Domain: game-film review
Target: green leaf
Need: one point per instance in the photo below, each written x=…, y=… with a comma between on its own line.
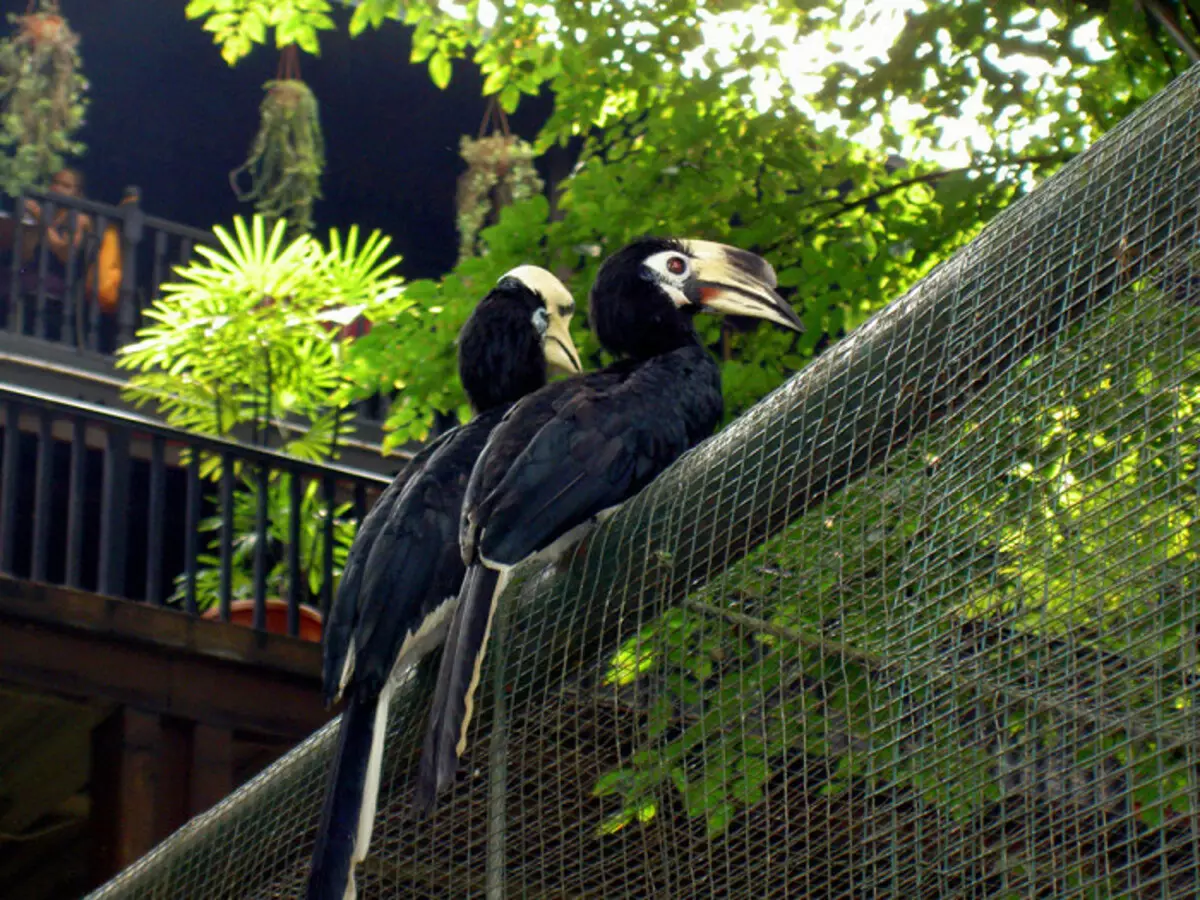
x=439, y=69
x=197, y=8
x=510, y=97
x=613, y=782
x=495, y=80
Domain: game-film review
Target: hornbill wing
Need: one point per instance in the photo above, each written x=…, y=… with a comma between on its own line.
x=605, y=442
x=343, y=616
x=514, y=433
x=602, y=445
x=414, y=565
x=408, y=583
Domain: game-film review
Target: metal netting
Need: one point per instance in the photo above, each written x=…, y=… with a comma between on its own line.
x=924, y=623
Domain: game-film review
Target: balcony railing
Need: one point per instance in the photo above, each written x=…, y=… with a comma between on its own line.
x=127, y=507
x=43, y=298
x=60, y=301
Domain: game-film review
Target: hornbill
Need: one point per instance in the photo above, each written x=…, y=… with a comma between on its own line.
x=570, y=453
x=404, y=569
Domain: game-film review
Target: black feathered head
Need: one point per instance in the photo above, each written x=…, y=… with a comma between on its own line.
x=516, y=335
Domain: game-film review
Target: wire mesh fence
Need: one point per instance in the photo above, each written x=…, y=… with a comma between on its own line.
x=924, y=623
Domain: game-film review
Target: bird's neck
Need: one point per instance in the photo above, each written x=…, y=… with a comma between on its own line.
x=645, y=341
x=500, y=359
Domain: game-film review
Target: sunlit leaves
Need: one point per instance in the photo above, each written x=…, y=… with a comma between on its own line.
x=245, y=335
x=1038, y=79
x=238, y=25
x=1005, y=611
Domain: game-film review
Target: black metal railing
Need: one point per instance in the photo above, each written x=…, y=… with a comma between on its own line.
x=67, y=303
x=122, y=505
x=64, y=301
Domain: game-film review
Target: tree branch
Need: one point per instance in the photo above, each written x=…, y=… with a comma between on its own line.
x=1167, y=21
x=931, y=178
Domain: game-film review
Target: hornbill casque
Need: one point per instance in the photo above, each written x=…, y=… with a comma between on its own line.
x=572, y=452
x=403, y=572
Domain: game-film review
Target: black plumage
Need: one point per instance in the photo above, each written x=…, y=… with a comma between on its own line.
x=403, y=572
x=574, y=450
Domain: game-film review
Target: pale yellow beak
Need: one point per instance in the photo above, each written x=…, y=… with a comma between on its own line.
x=559, y=349
x=738, y=282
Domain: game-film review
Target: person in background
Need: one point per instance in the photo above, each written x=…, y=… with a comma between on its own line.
x=56, y=236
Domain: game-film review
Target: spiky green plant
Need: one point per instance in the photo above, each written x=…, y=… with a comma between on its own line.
x=246, y=337
x=246, y=342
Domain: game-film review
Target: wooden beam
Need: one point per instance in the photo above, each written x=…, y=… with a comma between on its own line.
x=211, y=767
x=174, y=768
x=126, y=761
x=89, y=647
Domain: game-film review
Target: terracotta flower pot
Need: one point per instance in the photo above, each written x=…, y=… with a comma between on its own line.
x=241, y=612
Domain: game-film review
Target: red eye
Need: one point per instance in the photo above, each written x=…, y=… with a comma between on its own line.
x=676, y=265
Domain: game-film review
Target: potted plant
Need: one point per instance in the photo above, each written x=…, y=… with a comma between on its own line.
x=500, y=172
x=287, y=157
x=249, y=342
x=313, y=515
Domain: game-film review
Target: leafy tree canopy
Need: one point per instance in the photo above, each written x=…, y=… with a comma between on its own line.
x=702, y=118
x=838, y=173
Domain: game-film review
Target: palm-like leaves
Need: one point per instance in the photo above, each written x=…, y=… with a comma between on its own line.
x=243, y=335
x=246, y=335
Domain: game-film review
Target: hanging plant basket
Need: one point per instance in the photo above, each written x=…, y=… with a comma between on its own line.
x=288, y=155
x=42, y=97
x=500, y=172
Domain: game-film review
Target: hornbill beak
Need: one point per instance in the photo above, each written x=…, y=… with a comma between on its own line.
x=559, y=349
x=737, y=282
x=557, y=346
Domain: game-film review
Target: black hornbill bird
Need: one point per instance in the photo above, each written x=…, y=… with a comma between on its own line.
x=404, y=569
x=570, y=453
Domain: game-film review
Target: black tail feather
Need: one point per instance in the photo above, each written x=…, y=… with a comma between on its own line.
x=453, y=698
x=338, y=829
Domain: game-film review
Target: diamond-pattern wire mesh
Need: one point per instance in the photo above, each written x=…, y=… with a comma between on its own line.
x=924, y=623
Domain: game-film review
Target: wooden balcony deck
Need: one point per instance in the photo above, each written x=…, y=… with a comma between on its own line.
x=121, y=720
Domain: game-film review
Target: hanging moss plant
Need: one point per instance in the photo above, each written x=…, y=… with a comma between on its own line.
x=42, y=97
x=288, y=154
x=499, y=172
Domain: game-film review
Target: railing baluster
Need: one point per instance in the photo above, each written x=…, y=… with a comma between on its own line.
x=160, y=256
x=70, y=294
x=360, y=501
x=226, y=596
x=154, y=520
x=133, y=225
x=43, y=269
x=260, y=550
x=191, y=534
x=75, y=503
x=296, y=503
x=327, y=570
x=8, y=492
x=41, y=497
x=114, y=513
x=16, y=303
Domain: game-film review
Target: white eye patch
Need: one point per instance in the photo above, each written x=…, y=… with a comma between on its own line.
x=671, y=269
x=541, y=321
x=671, y=266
